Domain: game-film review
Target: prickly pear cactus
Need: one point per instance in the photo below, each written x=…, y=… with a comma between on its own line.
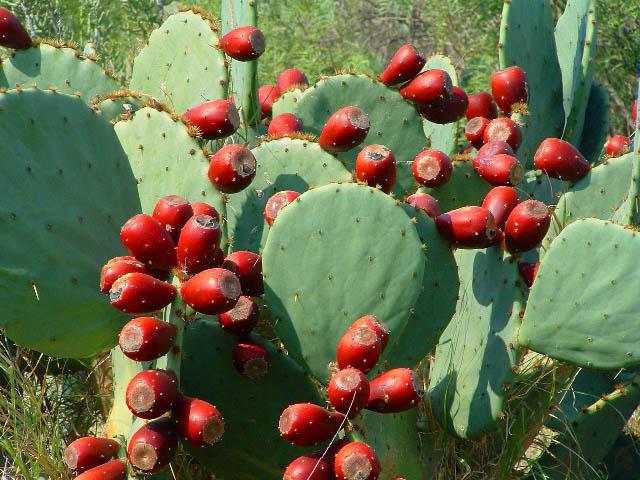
x=465, y=187
x=442, y=137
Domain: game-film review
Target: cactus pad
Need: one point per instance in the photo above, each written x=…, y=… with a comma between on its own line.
x=442, y=137
x=596, y=123
x=287, y=102
x=465, y=187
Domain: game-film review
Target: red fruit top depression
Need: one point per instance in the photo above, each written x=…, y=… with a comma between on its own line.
x=348, y=391
x=504, y=129
x=306, y=424
x=12, y=33
x=481, y=105
x=376, y=165
x=88, y=452
x=430, y=87
x=242, y=318
x=284, y=124
x=243, y=43
x=372, y=322
x=277, y=202
x=248, y=268
x=432, y=168
x=394, y=391
x=424, y=202
x=405, y=64
x=212, y=291
x=199, y=423
x=201, y=208
x=561, y=160
x=356, y=461
x=526, y=226
x=198, y=244
x=467, y=227
x=111, y=470
x=146, y=338
x=151, y=393
x=474, y=131
x=232, y=168
x=267, y=95
x=152, y=447
x=250, y=359
x=345, y=129
x=173, y=211
x=290, y=78
x=509, y=87
x=359, y=348
x=147, y=240
x=215, y=119
x=616, y=146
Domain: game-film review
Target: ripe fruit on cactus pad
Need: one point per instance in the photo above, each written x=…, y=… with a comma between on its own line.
x=137, y=293
x=232, y=168
x=432, y=168
x=242, y=318
x=561, y=160
x=468, y=227
x=394, y=391
x=312, y=466
x=356, y=461
x=424, y=202
x=88, y=452
x=248, y=268
x=243, y=43
x=449, y=111
x=345, y=129
x=526, y=226
x=494, y=147
x=501, y=169
x=146, y=338
x=481, y=105
x=528, y=272
x=359, y=348
x=12, y=33
x=500, y=201
x=290, y=78
x=199, y=423
x=198, y=244
x=277, y=202
x=376, y=166
x=147, y=240
x=405, y=64
x=250, y=359
x=306, y=424
x=152, y=447
x=474, y=131
x=509, y=87
x=431, y=87
x=504, y=129
x=284, y=124
x=617, y=146
x=373, y=323
x=173, y=211
x=201, y=208
x=116, y=268
x=212, y=291
x=111, y=470
x=348, y=391
x=151, y=393
x=267, y=95
x=215, y=119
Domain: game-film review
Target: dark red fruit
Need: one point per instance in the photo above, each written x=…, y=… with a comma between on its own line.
x=394, y=391
x=212, y=291
x=348, y=391
x=151, y=393
x=432, y=168
x=376, y=166
x=424, y=202
x=617, y=146
x=248, y=268
x=500, y=201
x=137, y=293
x=372, y=322
x=88, y=452
x=449, y=111
x=474, y=131
x=312, y=466
x=198, y=244
x=242, y=318
x=356, y=461
x=526, y=226
x=146, y=338
x=306, y=424
x=232, y=168
x=173, y=212
x=505, y=130
x=528, y=272
x=277, y=202
x=359, y=348
x=561, y=160
x=481, y=105
x=467, y=227
x=199, y=423
x=111, y=470
x=215, y=119
x=243, y=43
x=147, y=240
x=487, y=151
x=116, y=268
x=405, y=64
x=12, y=33
x=291, y=78
x=153, y=446
x=201, y=208
x=501, y=169
x=250, y=359
x=284, y=124
x=509, y=87
x=267, y=96
x=346, y=128
x=432, y=87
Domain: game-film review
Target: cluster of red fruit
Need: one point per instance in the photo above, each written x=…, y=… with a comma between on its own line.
x=349, y=392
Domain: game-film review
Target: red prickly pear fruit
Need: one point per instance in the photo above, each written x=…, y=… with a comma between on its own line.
x=509, y=87
x=305, y=424
x=394, y=391
x=211, y=291
x=467, y=227
x=356, y=461
x=481, y=105
x=244, y=43
x=312, y=466
x=494, y=147
x=172, y=212
x=376, y=166
x=198, y=244
x=201, y=208
x=137, y=293
x=504, y=129
x=561, y=160
x=526, y=226
x=345, y=129
x=277, y=202
x=405, y=64
x=250, y=359
x=424, y=202
x=501, y=169
x=474, y=131
x=500, y=201
x=146, y=338
x=432, y=168
x=111, y=470
x=151, y=393
x=372, y=322
x=215, y=119
x=432, y=87
x=147, y=240
x=153, y=446
x=449, y=111
x=528, y=272
x=116, y=268
x=88, y=452
x=198, y=422
x=359, y=348
x=267, y=96
x=232, y=168
x=291, y=78
x=12, y=33
x=284, y=124
x=617, y=146
x=248, y=268
x=242, y=318
x=634, y=111
x=348, y=391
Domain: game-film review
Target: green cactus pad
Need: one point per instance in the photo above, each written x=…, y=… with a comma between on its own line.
x=287, y=102
x=539, y=186
x=120, y=105
x=333, y=255
x=182, y=64
x=66, y=190
x=596, y=123
x=465, y=187
x=61, y=68
x=477, y=351
x=251, y=408
x=623, y=460
x=571, y=314
x=527, y=40
x=285, y=164
x=442, y=137
x=394, y=122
